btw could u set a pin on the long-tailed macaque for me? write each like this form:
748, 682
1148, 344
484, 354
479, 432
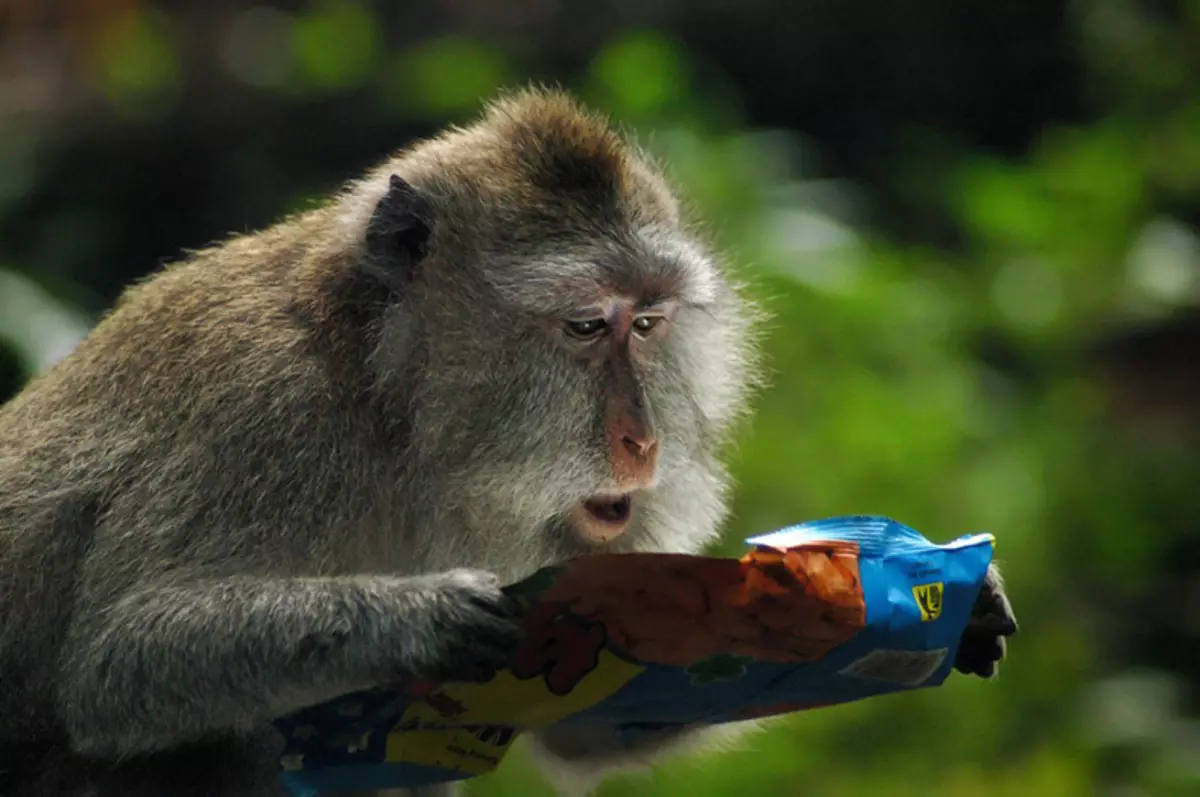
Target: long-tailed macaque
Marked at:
303, 461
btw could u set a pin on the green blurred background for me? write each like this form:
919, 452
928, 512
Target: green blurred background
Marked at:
974, 224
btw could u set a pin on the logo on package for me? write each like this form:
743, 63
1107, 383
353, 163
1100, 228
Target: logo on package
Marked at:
929, 600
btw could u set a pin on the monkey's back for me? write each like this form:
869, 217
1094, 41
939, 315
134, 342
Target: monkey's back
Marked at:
195, 401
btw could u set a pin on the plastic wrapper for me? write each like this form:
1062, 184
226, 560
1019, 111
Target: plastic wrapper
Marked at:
818, 614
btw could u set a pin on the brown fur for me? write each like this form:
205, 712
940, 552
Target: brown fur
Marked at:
290, 444
302, 461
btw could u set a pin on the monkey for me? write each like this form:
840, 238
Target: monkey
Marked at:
302, 461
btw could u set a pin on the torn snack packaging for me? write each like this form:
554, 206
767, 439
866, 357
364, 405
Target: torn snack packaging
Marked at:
818, 614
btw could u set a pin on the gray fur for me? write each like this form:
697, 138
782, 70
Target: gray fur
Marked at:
257, 484
295, 465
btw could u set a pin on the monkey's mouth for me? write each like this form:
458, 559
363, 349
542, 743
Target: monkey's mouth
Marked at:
610, 511
602, 518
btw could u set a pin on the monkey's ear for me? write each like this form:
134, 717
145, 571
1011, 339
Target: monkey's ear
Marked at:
398, 233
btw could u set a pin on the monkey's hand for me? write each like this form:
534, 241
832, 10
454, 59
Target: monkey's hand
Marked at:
468, 626
983, 644
174, 662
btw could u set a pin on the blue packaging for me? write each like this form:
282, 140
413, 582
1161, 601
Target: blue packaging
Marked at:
818, 614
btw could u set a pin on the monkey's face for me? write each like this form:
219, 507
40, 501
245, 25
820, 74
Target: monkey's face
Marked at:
612, 340
596, 379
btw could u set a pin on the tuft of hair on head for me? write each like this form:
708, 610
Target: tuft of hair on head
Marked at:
565, 148
559, 145
542, 149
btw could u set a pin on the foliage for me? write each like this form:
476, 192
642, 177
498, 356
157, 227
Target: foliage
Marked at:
943, 385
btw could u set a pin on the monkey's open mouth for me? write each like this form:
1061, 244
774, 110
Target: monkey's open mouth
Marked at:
610, 510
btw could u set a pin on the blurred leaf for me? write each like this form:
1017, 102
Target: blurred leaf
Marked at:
337, 44
446, 77
41, 329
639, 74
139, 62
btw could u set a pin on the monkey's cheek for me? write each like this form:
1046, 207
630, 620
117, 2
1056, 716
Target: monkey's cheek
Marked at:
593, 531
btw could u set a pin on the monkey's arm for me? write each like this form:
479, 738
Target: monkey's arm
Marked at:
174, 663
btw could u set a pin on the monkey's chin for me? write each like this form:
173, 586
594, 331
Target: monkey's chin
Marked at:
602, 519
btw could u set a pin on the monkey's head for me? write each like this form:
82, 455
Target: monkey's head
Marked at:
570, 356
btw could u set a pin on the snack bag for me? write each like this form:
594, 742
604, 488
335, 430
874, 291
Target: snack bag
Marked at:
818, 614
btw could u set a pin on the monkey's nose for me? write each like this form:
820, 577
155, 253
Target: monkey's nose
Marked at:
640, 447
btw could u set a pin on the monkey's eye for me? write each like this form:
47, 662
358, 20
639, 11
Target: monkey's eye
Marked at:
587, 328
643, 325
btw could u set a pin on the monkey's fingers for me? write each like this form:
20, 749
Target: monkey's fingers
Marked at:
983, 645
469, 624
992, 600
474, 654
979, 653
503, 607
471, 672
993, 624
